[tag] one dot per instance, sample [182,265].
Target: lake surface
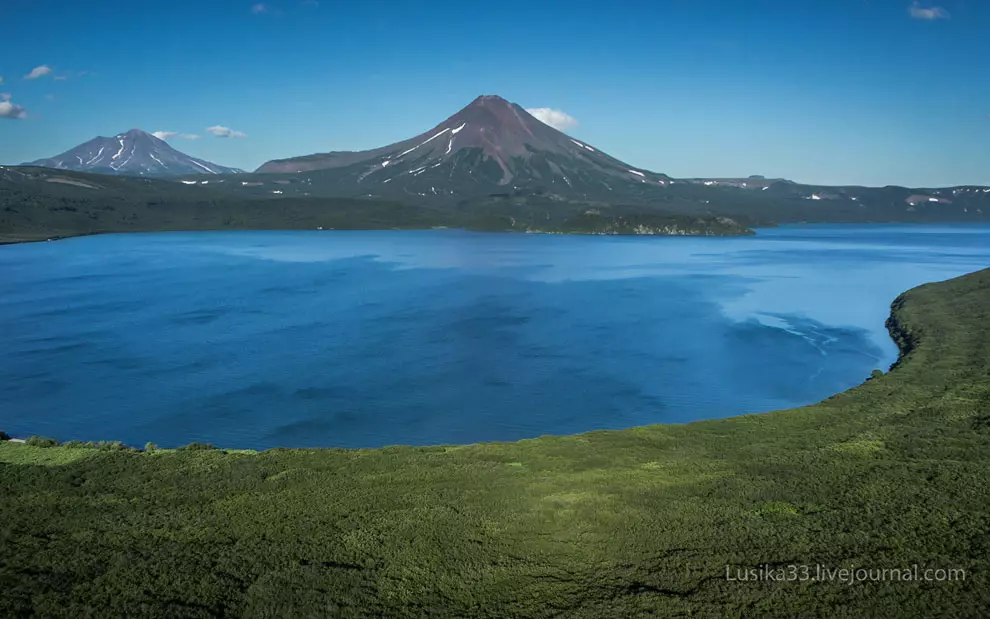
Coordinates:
[363,339]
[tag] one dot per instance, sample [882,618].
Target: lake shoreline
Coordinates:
[660,310]
[9,240]
[903,337]
[651,520]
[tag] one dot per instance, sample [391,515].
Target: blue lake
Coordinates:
[363,339]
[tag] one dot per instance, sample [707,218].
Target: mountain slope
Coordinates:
[133,153]
[490,146]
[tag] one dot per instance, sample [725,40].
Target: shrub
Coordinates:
[149,446]
[4,436]
[875,374]
[41,441]
[197,446]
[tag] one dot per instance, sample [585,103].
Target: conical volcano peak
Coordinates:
[492,113]
[490,99]
[135,133]
[488,144]
[497,110]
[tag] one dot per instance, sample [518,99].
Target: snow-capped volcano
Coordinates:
[488,145]
[133,153]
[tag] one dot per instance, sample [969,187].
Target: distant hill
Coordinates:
[135,153]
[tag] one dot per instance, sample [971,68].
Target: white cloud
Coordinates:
[259,8]
[929,14]
[9,110]
[225,132]
[37,72]
[555,118]
[165,135]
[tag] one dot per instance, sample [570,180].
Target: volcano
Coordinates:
[134,153]
[492,146]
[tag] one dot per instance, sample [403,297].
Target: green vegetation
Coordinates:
[544,215]
[646,521]
[104,445]
[197,447]
[38,204]
[34,208]
[593,222]
[41,441]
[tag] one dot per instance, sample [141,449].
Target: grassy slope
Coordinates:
[622,523]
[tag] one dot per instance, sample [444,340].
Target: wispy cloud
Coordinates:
[1,80]
[555,118]
[225,132]
[166,135]
[927,13]
[68,75]
[274,9]
[9,110]
[37,72]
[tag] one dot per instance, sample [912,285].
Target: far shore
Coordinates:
[15,239]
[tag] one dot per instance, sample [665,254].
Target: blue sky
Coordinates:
[837,92]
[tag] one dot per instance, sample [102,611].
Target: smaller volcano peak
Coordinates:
[133,152]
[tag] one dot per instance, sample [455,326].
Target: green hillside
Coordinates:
[40,203]
[652,521]
[37,204]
